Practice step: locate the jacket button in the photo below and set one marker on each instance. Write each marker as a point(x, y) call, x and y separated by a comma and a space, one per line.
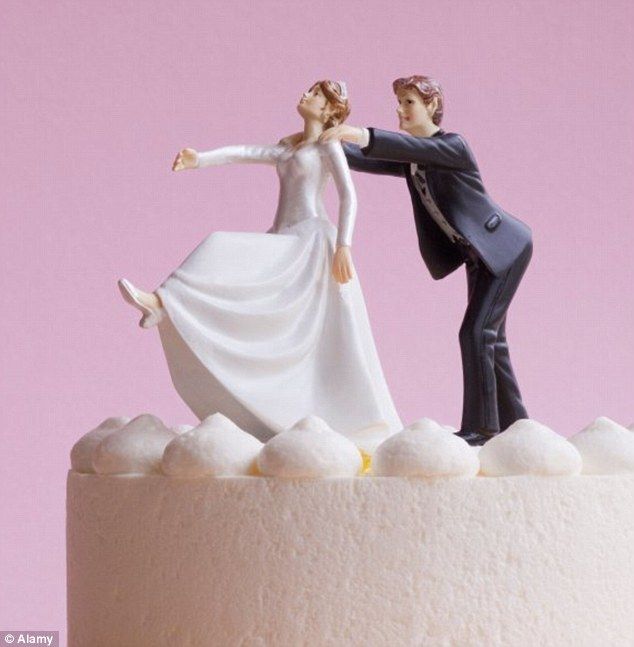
point(493, 222)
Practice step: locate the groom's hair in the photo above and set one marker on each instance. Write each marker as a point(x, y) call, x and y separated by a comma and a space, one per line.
point(427, 87)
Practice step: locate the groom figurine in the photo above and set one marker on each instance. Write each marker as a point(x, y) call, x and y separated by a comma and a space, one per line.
point(457, 222)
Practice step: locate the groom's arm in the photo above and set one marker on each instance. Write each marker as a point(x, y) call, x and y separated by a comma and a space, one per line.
point(357, 161)
point(445, 151)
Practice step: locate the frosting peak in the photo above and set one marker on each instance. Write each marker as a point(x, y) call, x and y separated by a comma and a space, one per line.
point(605, 447)
point(216, 447)
point(82, 451)
point(425, 449)
point(309, 449)
point(528, 447)
point(136, 448)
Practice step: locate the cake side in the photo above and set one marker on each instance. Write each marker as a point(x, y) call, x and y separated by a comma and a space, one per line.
point(377, 561)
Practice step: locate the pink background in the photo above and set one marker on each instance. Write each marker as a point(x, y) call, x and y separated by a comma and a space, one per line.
point(98, 97)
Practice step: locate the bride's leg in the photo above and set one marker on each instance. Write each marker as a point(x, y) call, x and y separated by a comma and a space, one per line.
point(150, 299)
point(149, 303)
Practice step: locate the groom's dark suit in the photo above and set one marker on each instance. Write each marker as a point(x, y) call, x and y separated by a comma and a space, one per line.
point(457, 222)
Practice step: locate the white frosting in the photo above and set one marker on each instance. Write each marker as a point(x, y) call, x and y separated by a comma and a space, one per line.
point(136, 448)
point(216, 447)
point(310, 449)
point(425, 449)
point(528, 447)
point(605, 447)
point(370, 437)
point(181, 429)
point(83, 449)
point(631, 427)
point(423, 424)
point(381, 562)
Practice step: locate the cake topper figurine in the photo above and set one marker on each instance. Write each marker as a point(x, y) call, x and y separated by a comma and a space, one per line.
point(457, 222)
point(268, 328)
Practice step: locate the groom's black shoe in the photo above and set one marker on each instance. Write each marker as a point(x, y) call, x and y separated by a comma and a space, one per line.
point(476, 438)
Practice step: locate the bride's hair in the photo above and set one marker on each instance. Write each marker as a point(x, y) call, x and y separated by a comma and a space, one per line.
point(337, 97)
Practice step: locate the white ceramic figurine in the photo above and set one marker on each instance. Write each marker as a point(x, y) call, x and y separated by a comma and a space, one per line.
point(268, 328)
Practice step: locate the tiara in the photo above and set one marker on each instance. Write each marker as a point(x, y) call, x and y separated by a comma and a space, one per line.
point(343, 89)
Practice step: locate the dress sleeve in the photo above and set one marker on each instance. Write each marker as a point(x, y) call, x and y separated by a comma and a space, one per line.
point(345, 189)
point(240, 154)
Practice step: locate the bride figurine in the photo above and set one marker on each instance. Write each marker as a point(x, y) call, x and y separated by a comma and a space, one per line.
point(268, 328)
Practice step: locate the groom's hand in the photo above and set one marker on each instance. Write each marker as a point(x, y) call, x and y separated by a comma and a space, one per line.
point(342, 267)
point(341, 133)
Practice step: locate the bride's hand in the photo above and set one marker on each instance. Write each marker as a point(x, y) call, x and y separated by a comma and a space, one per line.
point(342, 267)
point(187, 158)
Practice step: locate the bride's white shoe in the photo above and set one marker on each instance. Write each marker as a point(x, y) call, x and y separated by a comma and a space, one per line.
point(151, 316)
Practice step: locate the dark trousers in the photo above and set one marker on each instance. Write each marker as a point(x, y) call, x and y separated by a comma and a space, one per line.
point(492, 398)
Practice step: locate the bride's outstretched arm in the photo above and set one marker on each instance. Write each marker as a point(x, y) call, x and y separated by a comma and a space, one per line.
point(343, 269)
point(189, 158)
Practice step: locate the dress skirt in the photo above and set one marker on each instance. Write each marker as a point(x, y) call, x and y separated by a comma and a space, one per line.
point(258, 330)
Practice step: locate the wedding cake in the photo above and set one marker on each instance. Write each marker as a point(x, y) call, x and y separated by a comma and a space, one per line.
point(207, 537)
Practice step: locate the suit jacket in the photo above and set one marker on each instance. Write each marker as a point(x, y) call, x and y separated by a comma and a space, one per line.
point(455, 185)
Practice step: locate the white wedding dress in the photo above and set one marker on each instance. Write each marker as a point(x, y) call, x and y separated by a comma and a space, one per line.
point(256, 326)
